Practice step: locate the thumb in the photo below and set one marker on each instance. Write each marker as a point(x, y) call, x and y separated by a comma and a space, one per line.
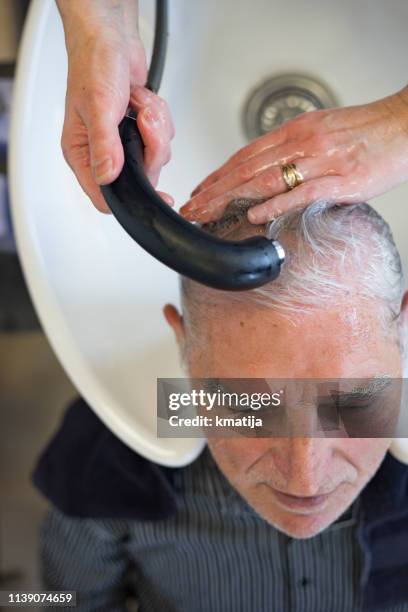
point(105, 146)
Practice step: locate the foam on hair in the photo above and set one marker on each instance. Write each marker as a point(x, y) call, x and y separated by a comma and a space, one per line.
point(332, 251)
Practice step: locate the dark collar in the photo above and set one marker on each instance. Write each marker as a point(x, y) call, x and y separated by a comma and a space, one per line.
point(386, 496)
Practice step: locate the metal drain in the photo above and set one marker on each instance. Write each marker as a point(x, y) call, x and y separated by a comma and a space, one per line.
point(282, 98)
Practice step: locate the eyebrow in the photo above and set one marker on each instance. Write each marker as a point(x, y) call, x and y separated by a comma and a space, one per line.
point(366, 392)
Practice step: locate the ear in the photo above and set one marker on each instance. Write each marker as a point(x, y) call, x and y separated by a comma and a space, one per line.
point(175, 320)
point(403, 331)
point(399, 446)
point(404, 312)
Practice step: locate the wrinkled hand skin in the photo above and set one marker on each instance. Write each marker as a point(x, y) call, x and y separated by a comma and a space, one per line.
point(345, 155)
point(106, 73)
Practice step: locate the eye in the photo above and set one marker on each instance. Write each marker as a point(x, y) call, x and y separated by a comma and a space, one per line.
point(211, 385)
point(354, 408)
point(255, 411)
point(235, 408)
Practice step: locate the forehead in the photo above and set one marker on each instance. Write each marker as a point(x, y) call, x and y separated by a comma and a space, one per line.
point(343, 340)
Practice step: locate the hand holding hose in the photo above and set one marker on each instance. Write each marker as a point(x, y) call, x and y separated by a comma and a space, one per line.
point(106, 73)
point(342, 155)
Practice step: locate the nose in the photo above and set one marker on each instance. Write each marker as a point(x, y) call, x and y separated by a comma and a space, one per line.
point(308, 466)
point(301, 416)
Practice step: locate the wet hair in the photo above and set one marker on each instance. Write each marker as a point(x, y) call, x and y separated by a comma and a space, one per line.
point(333, 251)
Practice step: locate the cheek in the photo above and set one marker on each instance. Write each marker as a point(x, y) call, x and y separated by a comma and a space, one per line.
point(235, 456)
point(365, 454)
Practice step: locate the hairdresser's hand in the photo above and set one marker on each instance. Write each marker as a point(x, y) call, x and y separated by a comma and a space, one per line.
point(107, 72)
point(345, 155)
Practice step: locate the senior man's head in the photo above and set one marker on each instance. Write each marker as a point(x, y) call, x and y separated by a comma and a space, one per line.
point(336, 311)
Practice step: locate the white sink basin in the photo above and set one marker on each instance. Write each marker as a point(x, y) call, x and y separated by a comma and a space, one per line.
point(98, 294)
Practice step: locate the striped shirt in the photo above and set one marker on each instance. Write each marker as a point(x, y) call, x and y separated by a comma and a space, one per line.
point(214, 555)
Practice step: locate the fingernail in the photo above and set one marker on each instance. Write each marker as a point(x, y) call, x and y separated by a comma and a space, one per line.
point(168, 199)
point(143, 94)
point(103, 170)
point(183, 211)
point(254, 216)
point(151, 115)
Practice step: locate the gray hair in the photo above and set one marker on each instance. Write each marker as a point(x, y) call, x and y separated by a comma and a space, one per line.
point(333, 251)
point(326, 241)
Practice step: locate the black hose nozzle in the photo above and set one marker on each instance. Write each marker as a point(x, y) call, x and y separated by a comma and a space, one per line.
point(180, 245)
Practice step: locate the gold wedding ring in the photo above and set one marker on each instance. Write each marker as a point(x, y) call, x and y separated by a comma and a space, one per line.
point(291, 176)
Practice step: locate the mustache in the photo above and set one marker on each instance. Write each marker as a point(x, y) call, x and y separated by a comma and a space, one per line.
point(280, 489)
point(275, 480)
